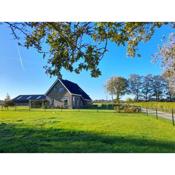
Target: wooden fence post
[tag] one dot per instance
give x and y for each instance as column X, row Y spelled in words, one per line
column 30, row 104
column 156, row 114
column 173, row 117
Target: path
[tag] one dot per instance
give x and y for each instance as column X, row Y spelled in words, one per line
column 159, row 113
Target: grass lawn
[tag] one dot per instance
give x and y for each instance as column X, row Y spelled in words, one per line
column 84, row 131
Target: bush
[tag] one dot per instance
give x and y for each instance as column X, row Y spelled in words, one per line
column 129, row 100
column 93, row 106
column 110, row 106
column 127, row 108
column 132, row 109
column 8, row 103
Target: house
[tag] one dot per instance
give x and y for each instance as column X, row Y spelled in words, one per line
column 62, row 94
column 30, row 100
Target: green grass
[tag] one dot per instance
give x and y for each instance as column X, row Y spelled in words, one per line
column 163, row 106
column 83, row 131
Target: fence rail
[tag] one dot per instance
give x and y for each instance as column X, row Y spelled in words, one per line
column 158, row 113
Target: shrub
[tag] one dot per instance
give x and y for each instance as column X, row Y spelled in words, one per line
column 8, row 103
column 110, row 106
column 132, row 109
column 127, row 108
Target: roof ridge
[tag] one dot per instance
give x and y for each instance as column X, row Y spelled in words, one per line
column 70, row 81
column 30, row 94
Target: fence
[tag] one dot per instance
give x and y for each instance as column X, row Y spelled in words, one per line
column 158, row 113
column 154, row 111
column 127, row 108
column 27, row 108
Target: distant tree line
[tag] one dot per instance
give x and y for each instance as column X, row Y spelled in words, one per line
column 144, row 88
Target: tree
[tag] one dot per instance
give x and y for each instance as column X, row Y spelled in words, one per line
column 135, row 84
column 146, row 88
column 7, row 98
column 117, row 86
column 170, row 86
column 158, row 87
column 7, row 101
column 166, row 55
column 81, row 45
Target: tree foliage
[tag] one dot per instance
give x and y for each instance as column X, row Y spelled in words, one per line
column 166, row 55
column 135, row 84
column 7, row 101
column 144, row 88
column 117, row 86
column 170, row 85
column 7, row 98
column 158, row 87
column 77, row 46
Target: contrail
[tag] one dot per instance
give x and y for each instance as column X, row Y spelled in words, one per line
column 20, row 58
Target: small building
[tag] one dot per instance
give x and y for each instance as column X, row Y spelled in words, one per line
column 30, row 100
column 62, row 94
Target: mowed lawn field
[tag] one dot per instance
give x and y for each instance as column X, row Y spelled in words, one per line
column 83, row 131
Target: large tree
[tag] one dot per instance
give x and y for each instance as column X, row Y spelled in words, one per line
column 158, row 87
column 7, row 101
column 77, row 46
column 117, row 86
column 135, row 85
column 166, row 56
column 7, row 98
column 146, row 88
column 170, row 86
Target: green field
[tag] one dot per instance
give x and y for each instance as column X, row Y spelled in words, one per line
column 83, row 131
column 163, row 106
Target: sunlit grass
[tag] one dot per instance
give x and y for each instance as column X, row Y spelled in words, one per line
column 83, row 131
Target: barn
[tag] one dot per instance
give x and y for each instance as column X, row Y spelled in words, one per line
column 62, row 94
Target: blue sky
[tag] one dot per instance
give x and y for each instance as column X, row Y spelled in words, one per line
column 21, row 70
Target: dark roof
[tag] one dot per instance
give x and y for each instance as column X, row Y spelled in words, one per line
column 26, row 98
column 75, row 89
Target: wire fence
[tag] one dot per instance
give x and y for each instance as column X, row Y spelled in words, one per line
column 28, row 108
column 158, row 113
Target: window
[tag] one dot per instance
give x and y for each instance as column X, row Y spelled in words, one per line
column 61, row 89
column 38, row 97
column 29, row 97
column 19, row 97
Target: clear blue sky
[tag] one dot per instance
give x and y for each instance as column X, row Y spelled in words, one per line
column 21, row 71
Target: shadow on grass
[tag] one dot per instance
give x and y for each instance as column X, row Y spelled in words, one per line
column 15, row 139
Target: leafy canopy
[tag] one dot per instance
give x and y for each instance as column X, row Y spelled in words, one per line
column 77, row 46
column 117, row 86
